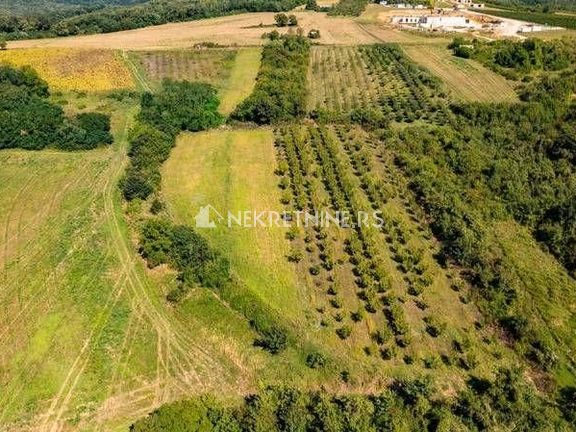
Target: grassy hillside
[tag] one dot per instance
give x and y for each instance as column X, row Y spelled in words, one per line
column 467, row 80
column 88, row 341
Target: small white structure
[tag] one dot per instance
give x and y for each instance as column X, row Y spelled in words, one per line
column 434, row 22
column 445, row 22
column 471, row 4
column 406, row 20
column 530, row 28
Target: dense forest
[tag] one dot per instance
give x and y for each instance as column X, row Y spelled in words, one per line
column 29, row 120
column 111, row 19
column 516, row 60
column 506, row 403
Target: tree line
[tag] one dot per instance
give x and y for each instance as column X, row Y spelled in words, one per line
column 280, row 91
column 28, row 119
column 504, row 403
column 111, row 19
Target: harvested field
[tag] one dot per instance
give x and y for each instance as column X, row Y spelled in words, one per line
column 468, row 80
column 74, row 69
column 232, row 30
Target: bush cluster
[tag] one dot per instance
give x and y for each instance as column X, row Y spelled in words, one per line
column 280, row 92
column 29, row 120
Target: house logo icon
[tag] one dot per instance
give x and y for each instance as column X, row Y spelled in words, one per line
column 207, row 217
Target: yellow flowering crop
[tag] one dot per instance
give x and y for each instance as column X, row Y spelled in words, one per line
column 74, row 69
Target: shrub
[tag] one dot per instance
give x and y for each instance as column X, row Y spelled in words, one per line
column 274, row 340
column 316, row 360
column 344, row 332
column 97, row 127
column 281, row 19
column 314, row 34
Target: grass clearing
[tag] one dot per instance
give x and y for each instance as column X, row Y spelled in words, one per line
column 234, row 171
column 68, row 69
column 468, row 80
column 241, row 80
column 549, row 294
column 88, row 341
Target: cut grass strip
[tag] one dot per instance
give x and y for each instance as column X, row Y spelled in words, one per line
column 242, row 79
column 468, row 80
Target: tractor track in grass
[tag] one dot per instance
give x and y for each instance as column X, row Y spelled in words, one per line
column 182, row 364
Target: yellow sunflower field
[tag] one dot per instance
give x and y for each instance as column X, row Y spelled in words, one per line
column 74, row 69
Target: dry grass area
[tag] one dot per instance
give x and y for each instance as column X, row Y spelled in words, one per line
column 386, row 34
column 231, row 30
column 74, row 69
column 467, row 80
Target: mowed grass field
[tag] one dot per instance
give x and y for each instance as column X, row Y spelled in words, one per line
column 241, row 80
column 467, row 80
column 88, row 341
column 234, row 171
column 68, row 69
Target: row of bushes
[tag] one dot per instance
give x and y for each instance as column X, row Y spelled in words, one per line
column 280, row 92
column 505, row 403
column 184, row 106
column 29, row 120
column 177, row 107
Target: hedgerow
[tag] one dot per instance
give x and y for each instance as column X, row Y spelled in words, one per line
column 280, row 91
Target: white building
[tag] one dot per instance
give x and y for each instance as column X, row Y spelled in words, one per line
column 531, row 28
column 434, row 22
column 406, row 20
